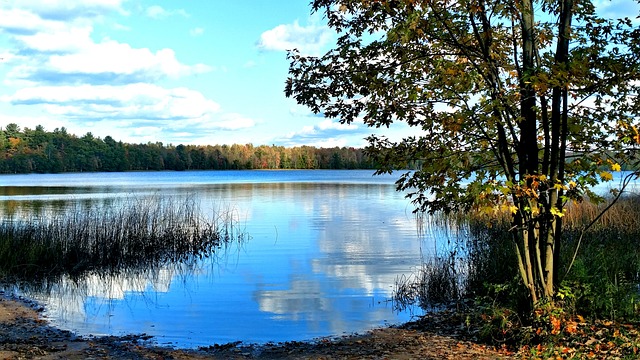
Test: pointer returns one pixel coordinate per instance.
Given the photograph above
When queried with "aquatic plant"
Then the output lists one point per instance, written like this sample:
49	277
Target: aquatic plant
129	234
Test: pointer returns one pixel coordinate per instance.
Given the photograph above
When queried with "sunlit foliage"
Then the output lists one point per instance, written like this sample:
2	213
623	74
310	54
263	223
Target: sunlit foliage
517	105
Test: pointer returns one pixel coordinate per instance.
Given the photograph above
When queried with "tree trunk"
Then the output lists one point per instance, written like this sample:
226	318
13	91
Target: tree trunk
527	149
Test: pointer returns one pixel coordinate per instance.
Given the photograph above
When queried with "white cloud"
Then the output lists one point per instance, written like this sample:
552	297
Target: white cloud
61	52
121	27
7	57
327	124
60	49
158	12
117	58
219	121
326	133
58	39
68	10
133	113
104	86
618	8
134	101
146	133
307	39
231	121
250	64
19	21
146	130
196	31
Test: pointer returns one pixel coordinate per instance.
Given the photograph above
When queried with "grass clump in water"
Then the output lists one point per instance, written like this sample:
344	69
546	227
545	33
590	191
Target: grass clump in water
136	233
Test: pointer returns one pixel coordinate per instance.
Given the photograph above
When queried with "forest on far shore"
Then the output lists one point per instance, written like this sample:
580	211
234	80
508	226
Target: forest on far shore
39	151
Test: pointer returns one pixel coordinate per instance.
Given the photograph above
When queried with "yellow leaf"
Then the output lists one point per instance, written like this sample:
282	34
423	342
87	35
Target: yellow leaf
615	167
513	209
487	210
559	187
606	176
557	212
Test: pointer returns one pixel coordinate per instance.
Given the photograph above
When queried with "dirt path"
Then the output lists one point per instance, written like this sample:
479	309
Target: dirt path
24	335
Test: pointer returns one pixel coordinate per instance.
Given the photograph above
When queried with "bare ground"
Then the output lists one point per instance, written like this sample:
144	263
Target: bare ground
24	335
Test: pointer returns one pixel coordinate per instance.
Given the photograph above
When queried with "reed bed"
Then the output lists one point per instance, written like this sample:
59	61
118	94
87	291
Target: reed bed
134	233
476	260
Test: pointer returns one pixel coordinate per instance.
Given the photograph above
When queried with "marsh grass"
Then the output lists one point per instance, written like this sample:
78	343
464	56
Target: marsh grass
477	257
434	284
441	275
604	279
132	234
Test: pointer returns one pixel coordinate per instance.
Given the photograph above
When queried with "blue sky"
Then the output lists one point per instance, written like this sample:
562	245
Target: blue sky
189	72
180	72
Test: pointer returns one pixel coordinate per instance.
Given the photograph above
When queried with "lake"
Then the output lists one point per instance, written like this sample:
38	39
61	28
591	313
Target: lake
320	257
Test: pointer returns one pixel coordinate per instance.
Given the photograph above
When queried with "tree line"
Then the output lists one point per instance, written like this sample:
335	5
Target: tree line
39	151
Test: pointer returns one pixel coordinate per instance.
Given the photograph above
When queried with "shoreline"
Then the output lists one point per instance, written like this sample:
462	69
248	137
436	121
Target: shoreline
24	334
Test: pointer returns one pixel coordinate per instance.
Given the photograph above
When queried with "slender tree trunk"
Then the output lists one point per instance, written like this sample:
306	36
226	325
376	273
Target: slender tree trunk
567	15
527	148
559	119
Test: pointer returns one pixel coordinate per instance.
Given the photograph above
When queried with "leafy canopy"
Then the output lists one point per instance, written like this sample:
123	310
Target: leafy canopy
517	105
501	110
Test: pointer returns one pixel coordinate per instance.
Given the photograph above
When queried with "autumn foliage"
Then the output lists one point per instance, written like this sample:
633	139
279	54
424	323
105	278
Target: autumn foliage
515	105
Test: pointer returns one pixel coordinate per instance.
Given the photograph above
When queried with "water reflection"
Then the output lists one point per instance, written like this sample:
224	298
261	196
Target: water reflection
360	251
19	203
322	260
67	298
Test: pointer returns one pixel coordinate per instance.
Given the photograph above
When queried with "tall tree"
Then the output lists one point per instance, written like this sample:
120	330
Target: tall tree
517	105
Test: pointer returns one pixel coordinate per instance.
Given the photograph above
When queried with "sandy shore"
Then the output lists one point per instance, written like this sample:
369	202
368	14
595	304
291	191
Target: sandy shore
25	335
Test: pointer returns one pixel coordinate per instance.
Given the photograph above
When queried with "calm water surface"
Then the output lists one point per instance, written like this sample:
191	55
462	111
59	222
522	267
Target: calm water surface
322	256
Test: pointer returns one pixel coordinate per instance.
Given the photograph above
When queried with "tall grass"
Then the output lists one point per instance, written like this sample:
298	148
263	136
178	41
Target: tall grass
604	278
441	276
136	233
478	261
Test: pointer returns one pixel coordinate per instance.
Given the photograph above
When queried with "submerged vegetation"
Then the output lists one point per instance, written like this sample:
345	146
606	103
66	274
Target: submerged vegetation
137	233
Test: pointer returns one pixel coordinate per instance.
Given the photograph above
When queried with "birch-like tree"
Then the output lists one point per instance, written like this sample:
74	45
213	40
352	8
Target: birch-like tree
517	105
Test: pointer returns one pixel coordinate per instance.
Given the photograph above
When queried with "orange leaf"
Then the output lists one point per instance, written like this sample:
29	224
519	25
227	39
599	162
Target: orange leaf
555	323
